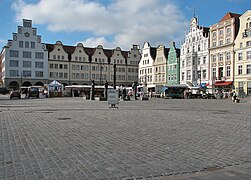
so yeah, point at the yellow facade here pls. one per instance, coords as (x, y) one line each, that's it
(242, 49)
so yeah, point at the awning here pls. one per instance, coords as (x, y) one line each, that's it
(223, 83)
(164, 89)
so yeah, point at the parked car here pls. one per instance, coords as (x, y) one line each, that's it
(3, 90)
(15, 93)
(33, 92)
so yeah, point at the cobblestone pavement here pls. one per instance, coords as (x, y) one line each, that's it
(72, 138)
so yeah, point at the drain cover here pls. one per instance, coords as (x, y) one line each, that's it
(64, 118)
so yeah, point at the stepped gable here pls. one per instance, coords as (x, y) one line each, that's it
(230, 15)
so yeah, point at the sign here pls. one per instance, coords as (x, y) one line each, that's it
(113, 96)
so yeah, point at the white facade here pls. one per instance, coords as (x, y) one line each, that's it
(146, 65)
(194, 57)
(25, 58)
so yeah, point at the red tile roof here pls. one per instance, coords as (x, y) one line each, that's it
(230, 15)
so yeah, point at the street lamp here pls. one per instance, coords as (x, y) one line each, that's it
(21, 78)
(114, 75)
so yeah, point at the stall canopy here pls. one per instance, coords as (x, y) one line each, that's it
(55, 86)
(164, 88)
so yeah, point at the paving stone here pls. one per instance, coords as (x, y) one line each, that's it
(86, 140)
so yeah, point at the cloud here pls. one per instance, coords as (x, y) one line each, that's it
(127, 22)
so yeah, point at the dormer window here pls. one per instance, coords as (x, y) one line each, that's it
(34, 32)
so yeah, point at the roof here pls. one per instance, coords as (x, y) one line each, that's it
(153, 52)
(90, 51)
(230, 15)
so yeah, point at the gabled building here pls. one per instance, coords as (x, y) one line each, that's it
(194, 57)
(160, 65)
(242, 47)
(222, 58)
(146, 65)
(78, 64)
(24, 58)
(173, 65)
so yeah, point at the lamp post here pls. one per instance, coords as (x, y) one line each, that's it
(114, 75)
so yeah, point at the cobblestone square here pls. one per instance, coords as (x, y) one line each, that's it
(72, 138)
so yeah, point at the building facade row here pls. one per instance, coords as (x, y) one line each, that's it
(26, 61)
(159, 65)
(215, 57)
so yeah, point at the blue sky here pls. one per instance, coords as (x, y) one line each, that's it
(113, 23)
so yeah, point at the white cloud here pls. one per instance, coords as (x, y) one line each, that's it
(128, 22)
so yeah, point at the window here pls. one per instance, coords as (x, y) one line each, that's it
(248, 43)
(221, 42)
(221, 32)
(228, 40)
(240, 45)
(60, 66)
(55, 66)
(240, 56)
(13, 53)
(32, 45)
(214, 44)
(248, 54)
(62, 57)
(27, 64)
(199, 47)
(61, 75)
(39, 65)
(19, 30)
(239, 69)
(214, 34)
(198, 60)
(27, 73)
(228, 70)
(204, 73)
(13, 63)
(214, 72)
(14, 37)
(26, 54)
(13, 73)
(65, 75)
(188, 74)
(249, 69)
(34, 32)
(228, 30)
(221, 57)
(39, 55)
(21, 44)
(204, 60)
(51, 66)
(214, 58)
(194, 60)
(183, 76)
(26, 45)
(228, 57)
(54, 56)
(58, 57)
